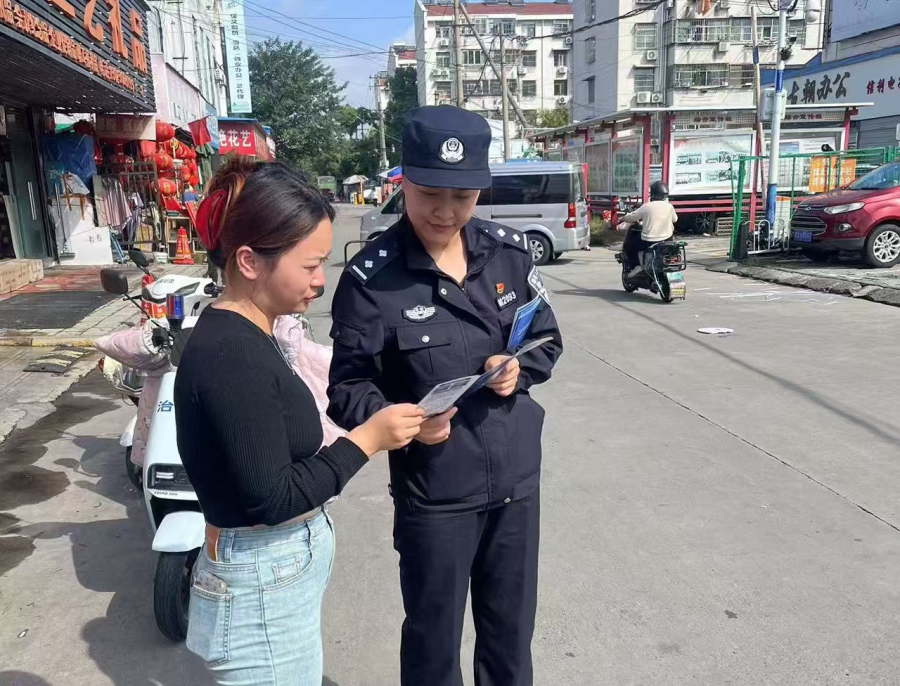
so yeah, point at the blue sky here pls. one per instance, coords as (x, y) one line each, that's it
(336, 29)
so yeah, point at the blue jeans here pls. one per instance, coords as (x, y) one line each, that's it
(255, 615)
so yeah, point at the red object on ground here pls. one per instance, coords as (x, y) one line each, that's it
(164, 131)
(183, 249)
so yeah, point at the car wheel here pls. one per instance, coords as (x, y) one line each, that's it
(883, 246)
(541, 250)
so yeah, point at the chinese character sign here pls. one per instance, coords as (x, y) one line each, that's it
(236, 58)
(237, 137)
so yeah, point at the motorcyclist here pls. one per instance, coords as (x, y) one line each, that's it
(657, 219)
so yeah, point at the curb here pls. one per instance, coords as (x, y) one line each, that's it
(784, 277)
(44, 342)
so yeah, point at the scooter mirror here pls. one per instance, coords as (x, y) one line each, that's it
(139, 258)
(114, 281)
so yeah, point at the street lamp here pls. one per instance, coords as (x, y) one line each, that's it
(812, 14)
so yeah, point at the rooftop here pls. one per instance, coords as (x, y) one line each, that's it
(505, 9)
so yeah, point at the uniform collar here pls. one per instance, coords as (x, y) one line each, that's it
(480, 248)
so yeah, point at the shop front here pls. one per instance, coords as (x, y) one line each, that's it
(246, 137)
(59, 57)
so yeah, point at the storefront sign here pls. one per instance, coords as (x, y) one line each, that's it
(177, 100)
(126, 127)
(108, 39)
(243, 137)
(854, 17)
(876, 81)
(212, 124)
(236, 58)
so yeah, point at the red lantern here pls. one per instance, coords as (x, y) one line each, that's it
(166, 187)
(194, 181)
(181, 153)
(164, 131)
(163, 161)
(192, 154)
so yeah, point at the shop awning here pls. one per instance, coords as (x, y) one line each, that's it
(34, 75)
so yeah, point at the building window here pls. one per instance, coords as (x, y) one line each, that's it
(529, 58)
(513, 86)
(702, 31)
(443, 90)
(507, 27)
(442, 60)
(591, 90)
(798, 28)
(561, 87)
(444, 30)
(560, 58)
(699, 75)
(529, 28)
(768, 29)
(644, 79)
(740, 75)
(590, 50)
(472, 56)
(741, 30)
(471, 88)
(590, 11)
(482, 25)
(529, 89)
(561, 27)
(646, 37)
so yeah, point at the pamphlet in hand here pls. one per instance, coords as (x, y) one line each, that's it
(448, 394)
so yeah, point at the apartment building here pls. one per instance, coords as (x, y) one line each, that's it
(537, 43)
(400, 56)
(682, 54)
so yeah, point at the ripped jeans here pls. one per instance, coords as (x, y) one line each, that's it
(256, 615)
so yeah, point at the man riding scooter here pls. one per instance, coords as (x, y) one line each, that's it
(657, 219)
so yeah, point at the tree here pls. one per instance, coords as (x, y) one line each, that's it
(553, 119)
(404, 92)
(353, 119)
(298, 96)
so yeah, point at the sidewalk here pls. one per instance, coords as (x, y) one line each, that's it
(57, 301)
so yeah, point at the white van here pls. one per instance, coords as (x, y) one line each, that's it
(544, 200)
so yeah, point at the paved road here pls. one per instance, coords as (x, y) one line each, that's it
(716, 510)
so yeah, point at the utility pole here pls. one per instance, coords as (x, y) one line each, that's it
(490, 61)
(457, 45)
(777, 112)
(757, 83)
(504, 89)
(381, 141)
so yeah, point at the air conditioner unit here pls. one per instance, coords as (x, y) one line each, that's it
(568, 40)
(444, 43)
(643, 97)
(562, 99)
(654, 142)
(522, 70)
(562, 71)
(656, 98)
(724, 4)
(723, 46)
(651, 55)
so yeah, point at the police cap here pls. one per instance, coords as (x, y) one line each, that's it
(446, 147)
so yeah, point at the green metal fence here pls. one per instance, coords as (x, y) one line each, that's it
(799, 176)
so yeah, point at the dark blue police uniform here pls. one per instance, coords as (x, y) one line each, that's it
(468, 508)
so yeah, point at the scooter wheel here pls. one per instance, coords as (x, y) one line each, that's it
(135, 471)
(172, 593)
(627, 285)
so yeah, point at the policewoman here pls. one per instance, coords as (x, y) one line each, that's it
(432, 300)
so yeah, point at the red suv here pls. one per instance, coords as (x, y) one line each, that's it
(861, 217)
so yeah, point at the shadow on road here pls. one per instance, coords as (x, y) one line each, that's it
(21, 679)
(614, 295)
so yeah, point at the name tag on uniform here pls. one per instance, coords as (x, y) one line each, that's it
(506, 300)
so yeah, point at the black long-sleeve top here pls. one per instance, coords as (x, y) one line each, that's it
(249, 430)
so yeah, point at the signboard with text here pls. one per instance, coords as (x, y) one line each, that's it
(702, 163)
(876, 81)
(107, 39)
(126, 127)
(851, 18)
(243, 137)
(236, 58)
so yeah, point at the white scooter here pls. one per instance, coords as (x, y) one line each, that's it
(172, 507)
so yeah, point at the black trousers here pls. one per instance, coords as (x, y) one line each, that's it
(633, 245)
(497, 550)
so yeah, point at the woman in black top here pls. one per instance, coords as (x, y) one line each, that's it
(249, 435)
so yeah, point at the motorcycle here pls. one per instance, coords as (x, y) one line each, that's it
(662, 266)
(128, 381)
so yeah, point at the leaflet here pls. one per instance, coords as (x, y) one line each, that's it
(446, 395)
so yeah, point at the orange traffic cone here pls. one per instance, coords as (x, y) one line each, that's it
(182, 249)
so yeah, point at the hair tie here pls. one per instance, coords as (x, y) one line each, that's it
(209, 216)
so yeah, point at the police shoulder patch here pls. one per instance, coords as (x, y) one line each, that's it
(504, 234)
(374, 255)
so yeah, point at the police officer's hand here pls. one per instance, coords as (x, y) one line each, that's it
(505, 384)
(436, 429)
(388, 429)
